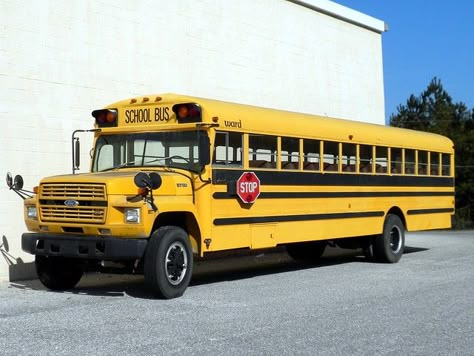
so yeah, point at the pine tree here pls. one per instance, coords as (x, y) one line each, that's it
(434, 111)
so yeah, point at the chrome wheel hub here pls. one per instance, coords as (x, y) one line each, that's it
(176, 263)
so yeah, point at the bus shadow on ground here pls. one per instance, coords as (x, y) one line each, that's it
(207, 272)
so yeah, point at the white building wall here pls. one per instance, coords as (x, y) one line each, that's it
(59, 60)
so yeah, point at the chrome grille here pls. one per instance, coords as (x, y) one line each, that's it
(73, 191)
(89, 203)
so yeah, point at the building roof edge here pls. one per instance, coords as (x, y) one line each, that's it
(344, 13)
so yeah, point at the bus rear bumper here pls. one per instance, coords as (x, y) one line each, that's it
(83, 246)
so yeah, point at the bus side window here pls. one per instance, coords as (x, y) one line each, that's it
(422, 163)
(365, 159)
(349, 157)
(446, 165)
(228, 149)
(331, 156)
(262, 151)
(434, 166)
(396, 161)
(409, 161)
(311, 155)
(290, 153)
(381, 159)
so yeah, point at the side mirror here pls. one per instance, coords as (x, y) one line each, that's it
(204, 150)
(9, 180)
(77, 154)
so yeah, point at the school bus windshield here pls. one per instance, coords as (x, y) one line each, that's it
(174, 149)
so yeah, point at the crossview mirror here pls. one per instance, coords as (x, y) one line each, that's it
(9, 180)
(155, 180)
(18, 182)
(142, 180)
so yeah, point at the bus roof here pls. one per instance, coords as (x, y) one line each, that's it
(252, 119)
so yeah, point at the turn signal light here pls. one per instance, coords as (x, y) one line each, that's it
(143, 191)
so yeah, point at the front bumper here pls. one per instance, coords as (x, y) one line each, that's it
(83, 246)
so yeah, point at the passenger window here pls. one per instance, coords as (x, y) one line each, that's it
(228, 149)
(396, 160)
(434, 166)
(409, 161)
(262, 151)
(365, 154)
(349, 157)
(381, 159)
(422, 163)
(446, 159)
(311, 155)
(290, 153)
(331, 156)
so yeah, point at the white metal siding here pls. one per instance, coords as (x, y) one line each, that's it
(61, 59)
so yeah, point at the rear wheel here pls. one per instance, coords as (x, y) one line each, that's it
(168, 262)
(58, 273)
(306, 251)
(389, 246)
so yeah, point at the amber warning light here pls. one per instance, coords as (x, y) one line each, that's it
(105, 117)
(188, 112)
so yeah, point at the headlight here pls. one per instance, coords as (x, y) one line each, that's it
(31, 212)
(132, 215)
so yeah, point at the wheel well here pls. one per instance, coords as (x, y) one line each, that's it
(395, 210)
(184, 220)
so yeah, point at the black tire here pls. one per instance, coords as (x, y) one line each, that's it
(388, 247)
(58, 273)
(168, 262)
(306, 251)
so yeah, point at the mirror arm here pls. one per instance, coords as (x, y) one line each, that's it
(207, 181)
(74, 142)
(22, 194)
(151, 201)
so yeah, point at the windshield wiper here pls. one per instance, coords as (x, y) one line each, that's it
(121, 165)
(170, 164)
(170, 158)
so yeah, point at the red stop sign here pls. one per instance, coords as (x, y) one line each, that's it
(248, 187)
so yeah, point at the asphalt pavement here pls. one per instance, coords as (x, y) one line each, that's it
(262, 305)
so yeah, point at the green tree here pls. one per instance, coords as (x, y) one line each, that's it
(434, 111)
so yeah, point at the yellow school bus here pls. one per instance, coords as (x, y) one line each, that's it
(174, 177)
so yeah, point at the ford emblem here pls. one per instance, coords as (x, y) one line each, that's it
(71, 203)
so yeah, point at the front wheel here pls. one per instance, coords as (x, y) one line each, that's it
(58, 273)
(168, 262)
(389, 246)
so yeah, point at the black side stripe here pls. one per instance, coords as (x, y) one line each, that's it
(429, 211)
(289, 218)
(225, 176)
(299, 195)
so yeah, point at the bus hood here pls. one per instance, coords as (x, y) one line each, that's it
(122, 183)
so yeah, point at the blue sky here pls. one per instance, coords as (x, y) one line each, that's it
(425, 39)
